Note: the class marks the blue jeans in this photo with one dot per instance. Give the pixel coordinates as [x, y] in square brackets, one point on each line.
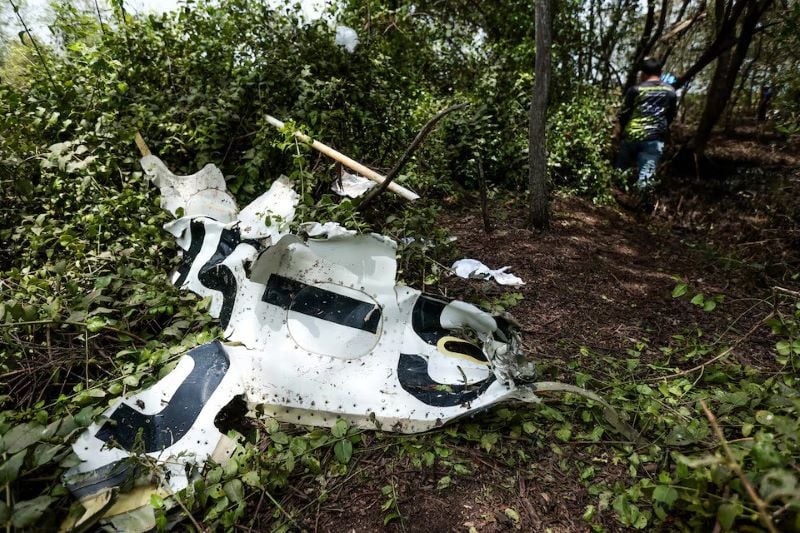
[647, 154]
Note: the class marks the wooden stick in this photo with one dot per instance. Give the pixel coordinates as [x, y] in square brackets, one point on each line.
[143, 149]
[346, 161]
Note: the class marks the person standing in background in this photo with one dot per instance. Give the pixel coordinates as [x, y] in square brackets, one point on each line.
[647, 112]
[763, 104]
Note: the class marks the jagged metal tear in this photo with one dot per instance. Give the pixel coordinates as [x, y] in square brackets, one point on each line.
[316, 329]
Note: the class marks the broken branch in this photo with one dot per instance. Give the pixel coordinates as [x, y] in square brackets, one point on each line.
[763, 512]
[346, 161]
[404, 159]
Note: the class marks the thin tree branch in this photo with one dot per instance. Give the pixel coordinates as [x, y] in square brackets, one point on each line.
[72, 323]
[99, 17]
[724, 353]
[404, 159]
[716, 50]
[35, 46]
[733, 464]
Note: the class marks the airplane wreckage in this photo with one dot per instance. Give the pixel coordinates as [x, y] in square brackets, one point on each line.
[316, 329]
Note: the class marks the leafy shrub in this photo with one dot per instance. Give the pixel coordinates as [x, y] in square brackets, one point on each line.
[579, 137]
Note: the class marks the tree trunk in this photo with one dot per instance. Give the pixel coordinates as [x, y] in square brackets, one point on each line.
[724, 79]
[537, 148]
[716, 100]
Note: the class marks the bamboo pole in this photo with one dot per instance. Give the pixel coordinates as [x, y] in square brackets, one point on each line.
[346, 161]
[141, 145]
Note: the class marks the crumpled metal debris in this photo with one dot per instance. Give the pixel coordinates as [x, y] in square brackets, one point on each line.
[472, 268]
[316, 329]
[352, 185]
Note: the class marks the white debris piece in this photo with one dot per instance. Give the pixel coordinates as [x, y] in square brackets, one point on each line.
[270, 214]
[347, 38]
[351, 185]
[203, 193]
[472, 268]
[327, 230]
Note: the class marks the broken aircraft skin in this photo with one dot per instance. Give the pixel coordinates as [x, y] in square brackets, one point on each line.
[316, 329]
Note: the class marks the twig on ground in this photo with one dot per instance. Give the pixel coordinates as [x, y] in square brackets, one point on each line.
[73, 323]
[761, 505]
[786, 291]
[724, 353]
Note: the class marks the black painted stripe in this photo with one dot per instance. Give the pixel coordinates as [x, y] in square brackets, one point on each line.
[466, 348]
[198, 233]
[319, 303]
[162, 430]
[412, 372]
[216, 276]
[426, 319]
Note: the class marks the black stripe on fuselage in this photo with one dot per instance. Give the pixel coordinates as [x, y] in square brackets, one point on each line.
[197, 230]
[213, 274]
[319, 303]
[412, 372]
[162, 430]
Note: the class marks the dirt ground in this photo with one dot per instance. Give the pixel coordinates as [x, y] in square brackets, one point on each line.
[601, 278]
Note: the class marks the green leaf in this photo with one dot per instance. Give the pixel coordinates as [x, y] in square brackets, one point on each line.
[27, 512]
[214, 475]
[95, 323]
[488, 440]
[679, 290]
[665, 494]
[698, 299]
[279, 437]
[84, 417]
[343, 450]
[461, 470]
[288, 461]
[783, 347]
[709, 306]
[297, 446]
[44, 453]
[339, 429]
[512, 514]
[234, 490]
[156, 501]
[589, 513]
[215, 491]
[252, 478]
[765, 418]
[230, 468]
[10, 469]
[564, 432]
[22, 436]
[727, 513]
[444, 483]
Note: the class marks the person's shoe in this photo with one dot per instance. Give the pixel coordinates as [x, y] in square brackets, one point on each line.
[647, 203]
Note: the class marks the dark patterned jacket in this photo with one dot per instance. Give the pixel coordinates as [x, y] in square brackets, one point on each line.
[648, 111]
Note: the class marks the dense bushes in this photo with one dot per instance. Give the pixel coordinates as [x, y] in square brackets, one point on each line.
[579, 139]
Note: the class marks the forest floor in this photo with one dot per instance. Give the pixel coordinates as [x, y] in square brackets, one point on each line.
[600, 282]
